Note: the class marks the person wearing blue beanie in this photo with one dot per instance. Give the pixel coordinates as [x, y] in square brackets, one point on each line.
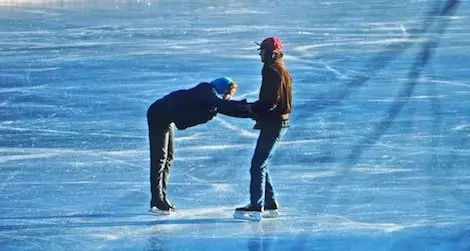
[184, 109]
[221, 84]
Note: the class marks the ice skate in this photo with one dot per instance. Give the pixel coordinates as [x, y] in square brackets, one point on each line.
[156, 211]
[160, 207]
[271, 210]
[248, 213]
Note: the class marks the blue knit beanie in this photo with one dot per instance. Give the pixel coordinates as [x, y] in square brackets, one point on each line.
[221, 84]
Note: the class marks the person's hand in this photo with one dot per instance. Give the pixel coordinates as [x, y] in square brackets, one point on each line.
[247, 109]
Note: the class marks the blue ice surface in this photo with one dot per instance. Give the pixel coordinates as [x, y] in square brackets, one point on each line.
[377, 157]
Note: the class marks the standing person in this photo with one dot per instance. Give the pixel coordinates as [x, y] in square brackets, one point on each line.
[184, 108]
[271, 112]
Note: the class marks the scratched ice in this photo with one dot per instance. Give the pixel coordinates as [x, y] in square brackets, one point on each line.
[377, 157]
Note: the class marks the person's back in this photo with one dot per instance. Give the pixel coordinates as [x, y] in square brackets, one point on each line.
[190, 107]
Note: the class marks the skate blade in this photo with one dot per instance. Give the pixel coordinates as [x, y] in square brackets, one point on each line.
[270, 214]
[252, 216]
[154, 211]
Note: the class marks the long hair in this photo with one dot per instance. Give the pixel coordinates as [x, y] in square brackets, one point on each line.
[232, 88]
[271, 56]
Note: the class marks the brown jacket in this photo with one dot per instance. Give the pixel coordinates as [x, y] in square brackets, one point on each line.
[275, 97]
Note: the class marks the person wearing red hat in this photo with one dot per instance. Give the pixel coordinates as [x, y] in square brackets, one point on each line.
[271, 112]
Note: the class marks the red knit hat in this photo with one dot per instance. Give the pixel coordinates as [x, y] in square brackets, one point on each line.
[273, 43]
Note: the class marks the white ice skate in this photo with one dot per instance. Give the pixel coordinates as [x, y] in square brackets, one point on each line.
[271, 209]
[270, 213]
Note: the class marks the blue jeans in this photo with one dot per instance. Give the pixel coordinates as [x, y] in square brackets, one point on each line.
[261, 187]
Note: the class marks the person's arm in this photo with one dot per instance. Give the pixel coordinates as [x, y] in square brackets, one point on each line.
[232, 108]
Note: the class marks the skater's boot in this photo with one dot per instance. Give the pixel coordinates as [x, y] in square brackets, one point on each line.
[271, 210]
[159, 206]
[248, 212]
[158, 185]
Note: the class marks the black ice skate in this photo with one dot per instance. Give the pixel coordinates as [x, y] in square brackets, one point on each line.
[160, 207]
[249, 212]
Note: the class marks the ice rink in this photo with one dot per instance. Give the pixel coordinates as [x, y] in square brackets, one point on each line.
[377, 156]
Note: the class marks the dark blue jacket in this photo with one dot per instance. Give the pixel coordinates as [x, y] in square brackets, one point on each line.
[198, 105]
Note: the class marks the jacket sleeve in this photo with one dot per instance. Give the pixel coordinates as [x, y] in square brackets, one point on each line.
[232, 108]
[269, 92]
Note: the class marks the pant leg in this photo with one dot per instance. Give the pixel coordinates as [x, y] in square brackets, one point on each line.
[158, 139]
[269, 192]
[260, 179]
[169, 160]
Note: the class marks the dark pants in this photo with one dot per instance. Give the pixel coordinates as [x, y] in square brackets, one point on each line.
[261, 187]
[161, 155]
